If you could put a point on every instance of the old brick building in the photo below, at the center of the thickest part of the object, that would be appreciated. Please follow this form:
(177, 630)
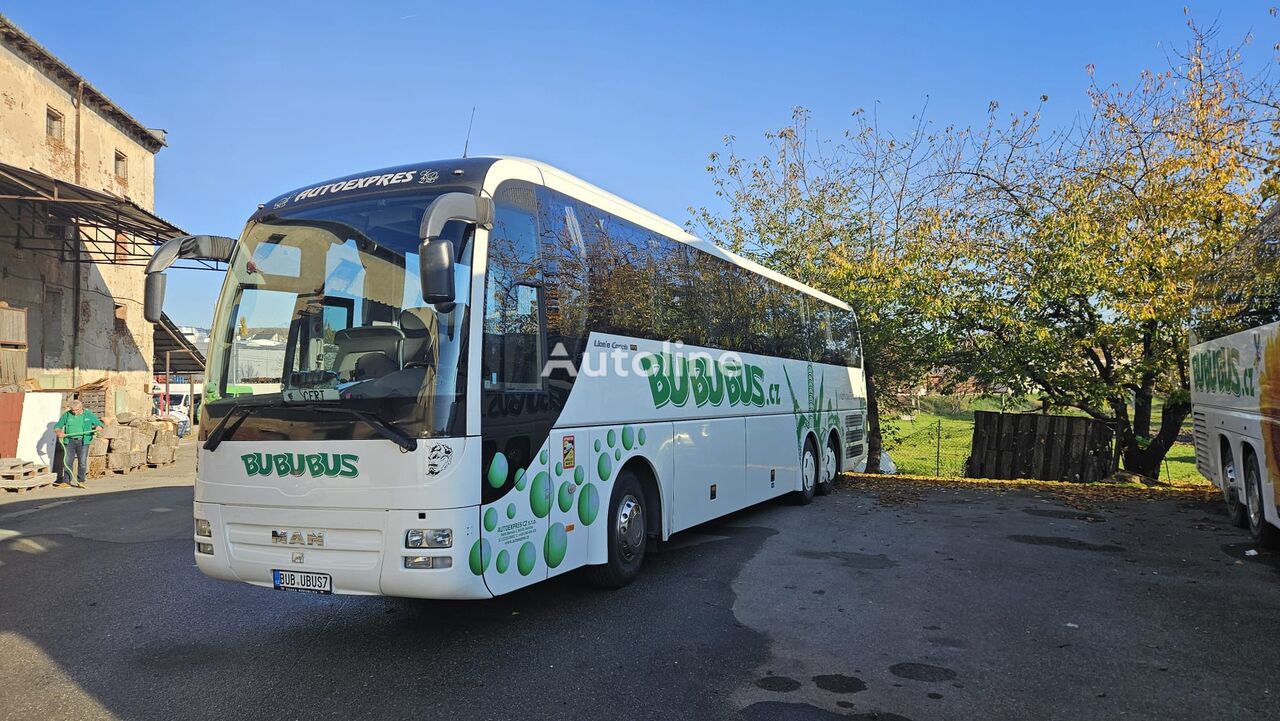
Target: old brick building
(77, 193)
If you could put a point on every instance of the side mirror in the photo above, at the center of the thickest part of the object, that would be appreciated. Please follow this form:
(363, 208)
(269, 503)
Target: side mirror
(194, 247)
(435, 265)
(436, 254)
(153, 297)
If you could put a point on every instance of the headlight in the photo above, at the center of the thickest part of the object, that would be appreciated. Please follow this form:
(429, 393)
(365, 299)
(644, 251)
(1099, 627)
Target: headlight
(203, 528)
(428, 538)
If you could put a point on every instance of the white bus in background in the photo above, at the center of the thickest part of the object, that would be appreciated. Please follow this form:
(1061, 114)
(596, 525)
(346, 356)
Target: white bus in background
(1235, 398)
(488, 372)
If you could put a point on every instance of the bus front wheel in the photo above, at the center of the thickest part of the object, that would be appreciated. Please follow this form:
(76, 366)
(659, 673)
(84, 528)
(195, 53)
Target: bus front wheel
(628, 534)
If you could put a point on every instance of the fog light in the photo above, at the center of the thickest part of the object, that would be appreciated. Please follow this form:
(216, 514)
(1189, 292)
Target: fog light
(428, 538)
(428, 562)
(203, 528)
(205, 548)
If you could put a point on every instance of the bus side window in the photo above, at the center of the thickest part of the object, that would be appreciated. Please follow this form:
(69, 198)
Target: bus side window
(514, 342)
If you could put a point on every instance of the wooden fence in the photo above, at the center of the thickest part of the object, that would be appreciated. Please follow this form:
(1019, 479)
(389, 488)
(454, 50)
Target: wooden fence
(1032, 445)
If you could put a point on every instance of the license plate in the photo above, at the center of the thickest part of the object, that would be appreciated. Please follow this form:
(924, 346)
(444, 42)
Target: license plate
(302, 581)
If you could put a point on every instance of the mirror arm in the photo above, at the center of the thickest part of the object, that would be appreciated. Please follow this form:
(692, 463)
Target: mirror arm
(184, 247)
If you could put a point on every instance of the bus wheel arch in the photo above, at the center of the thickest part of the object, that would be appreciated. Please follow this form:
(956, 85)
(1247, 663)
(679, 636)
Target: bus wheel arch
(648, 477)
(1230, 470)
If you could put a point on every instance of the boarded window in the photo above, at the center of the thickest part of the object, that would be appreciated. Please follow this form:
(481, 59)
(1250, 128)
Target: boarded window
(52, 339)
(122, 165)
(53, 126)
(122, 318)
(123, 248)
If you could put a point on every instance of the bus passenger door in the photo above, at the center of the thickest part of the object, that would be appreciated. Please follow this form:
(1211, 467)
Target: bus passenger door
(566, 543)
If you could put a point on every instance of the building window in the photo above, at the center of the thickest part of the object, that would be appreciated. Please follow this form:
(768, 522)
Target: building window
(122, 165)
(122, 319)
(53, 124)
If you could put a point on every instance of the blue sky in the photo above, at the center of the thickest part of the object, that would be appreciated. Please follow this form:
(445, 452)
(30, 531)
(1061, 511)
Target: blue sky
(264, 97)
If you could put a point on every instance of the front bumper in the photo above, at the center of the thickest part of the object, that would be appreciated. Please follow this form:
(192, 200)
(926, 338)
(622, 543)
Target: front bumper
(363, 550)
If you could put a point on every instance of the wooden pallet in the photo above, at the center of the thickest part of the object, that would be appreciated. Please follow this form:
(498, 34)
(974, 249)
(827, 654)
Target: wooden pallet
(13, 469)
(29, 483)
(161, 465)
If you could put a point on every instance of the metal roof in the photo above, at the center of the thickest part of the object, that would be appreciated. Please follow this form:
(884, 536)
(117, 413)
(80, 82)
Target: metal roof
(98, 215)
(14, 37)
(184, 357)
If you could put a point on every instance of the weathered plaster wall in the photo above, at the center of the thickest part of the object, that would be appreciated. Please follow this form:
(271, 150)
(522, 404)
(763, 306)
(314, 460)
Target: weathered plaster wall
(33, 276)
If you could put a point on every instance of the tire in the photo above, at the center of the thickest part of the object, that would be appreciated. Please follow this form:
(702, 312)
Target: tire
(809, 470)
(1236, 512)
(628, 535)
(1263, 533)
(830, 467)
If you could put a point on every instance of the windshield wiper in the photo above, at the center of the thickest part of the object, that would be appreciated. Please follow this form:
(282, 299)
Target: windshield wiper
(384, 429)
(221, 431)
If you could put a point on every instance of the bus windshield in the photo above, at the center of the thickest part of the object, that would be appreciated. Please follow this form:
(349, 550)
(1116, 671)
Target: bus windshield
(323, 306)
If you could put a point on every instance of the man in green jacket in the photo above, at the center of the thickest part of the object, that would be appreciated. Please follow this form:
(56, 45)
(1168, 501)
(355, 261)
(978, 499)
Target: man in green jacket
(75, 431)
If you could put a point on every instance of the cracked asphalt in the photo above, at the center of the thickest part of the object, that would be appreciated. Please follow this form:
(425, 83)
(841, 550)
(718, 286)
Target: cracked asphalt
(970, 604)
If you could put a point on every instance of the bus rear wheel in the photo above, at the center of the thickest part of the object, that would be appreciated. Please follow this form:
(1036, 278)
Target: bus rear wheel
(1260, 529)
(628, 534)
(809, 470)
(830, 467)
(1235, 509)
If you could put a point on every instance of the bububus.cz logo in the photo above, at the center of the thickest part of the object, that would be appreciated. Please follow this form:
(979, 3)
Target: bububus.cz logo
(331, 465)
(675, 375)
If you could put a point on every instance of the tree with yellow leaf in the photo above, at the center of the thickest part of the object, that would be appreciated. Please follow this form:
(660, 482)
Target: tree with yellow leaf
(1088, 252)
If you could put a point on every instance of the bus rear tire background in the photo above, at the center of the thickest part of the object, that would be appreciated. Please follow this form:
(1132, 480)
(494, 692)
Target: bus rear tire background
(1237, 514)
(830, 467)
(625, 558)
(810, 466)
(1263, 533)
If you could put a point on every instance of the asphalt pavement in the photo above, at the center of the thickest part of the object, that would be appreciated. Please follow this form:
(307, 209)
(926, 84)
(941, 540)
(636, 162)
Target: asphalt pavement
(971, 604)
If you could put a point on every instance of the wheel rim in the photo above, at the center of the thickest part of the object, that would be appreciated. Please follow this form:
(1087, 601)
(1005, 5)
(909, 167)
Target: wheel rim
(828, 465)
(810, 467)
(1253, 493)
(629, 527)
(1229, 470)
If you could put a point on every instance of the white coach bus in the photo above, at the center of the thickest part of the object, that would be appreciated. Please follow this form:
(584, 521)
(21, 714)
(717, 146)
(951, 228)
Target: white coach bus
(490, 373)
(1235, 399)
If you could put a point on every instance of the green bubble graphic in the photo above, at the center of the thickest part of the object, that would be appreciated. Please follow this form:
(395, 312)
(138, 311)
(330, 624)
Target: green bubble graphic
(628, 437)
(559, 468)
(597, 445)
(504, 560)
(479, 558)
(498, 470)
(511, 510)
(565, 497)
(525, 560)
(491, 519)
(617, 454)
(579, 475)
(557, 543)
(522, 479)
(588, 504)
(540, 495)
(543, 456)
(612, 437)
(604, 466)
(640, 436)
